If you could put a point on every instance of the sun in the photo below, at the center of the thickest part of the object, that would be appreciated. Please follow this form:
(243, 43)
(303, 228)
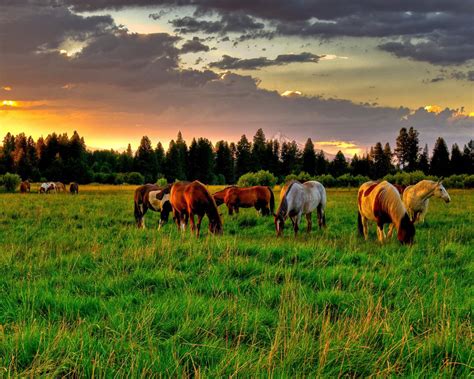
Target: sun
(9, 103)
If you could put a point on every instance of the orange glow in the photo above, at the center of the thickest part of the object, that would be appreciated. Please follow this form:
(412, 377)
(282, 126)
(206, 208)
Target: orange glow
(9, 103)
(7, 88)
(348, 148)
(433, 109)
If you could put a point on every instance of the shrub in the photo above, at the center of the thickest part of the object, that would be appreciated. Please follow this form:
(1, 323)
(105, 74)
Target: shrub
(161, 182)
(120, 178)
(134, 178)
(11, 181)
(326, 180)
(455, 181)
(469, 181)
(302, 177)
(260, 178)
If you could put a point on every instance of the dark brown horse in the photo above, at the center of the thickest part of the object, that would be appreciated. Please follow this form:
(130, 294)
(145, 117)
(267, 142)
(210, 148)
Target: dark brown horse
(74, 188)
(151, 196)
(260, 197)
(25, 187)
(190, 199)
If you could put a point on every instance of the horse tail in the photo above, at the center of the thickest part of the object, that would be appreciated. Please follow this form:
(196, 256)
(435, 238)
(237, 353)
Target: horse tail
(360, 227)
(272, 201)
(138, 204)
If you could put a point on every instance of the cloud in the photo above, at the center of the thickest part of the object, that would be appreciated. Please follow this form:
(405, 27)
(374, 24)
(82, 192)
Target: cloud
(231, 63)
(193, 46)
(237, 23)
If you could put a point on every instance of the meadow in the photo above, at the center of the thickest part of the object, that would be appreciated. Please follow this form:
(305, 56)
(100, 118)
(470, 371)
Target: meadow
(83, 292)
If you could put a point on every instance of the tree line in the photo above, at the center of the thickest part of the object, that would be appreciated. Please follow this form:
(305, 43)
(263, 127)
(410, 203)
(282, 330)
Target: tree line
(59, 157)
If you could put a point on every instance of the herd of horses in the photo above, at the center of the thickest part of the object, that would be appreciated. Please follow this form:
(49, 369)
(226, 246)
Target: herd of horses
(378, 201)
(50, 187)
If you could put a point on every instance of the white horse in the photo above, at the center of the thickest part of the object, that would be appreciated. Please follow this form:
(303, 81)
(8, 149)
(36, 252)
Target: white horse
(301, 199)
(417, 197)
(47, 187)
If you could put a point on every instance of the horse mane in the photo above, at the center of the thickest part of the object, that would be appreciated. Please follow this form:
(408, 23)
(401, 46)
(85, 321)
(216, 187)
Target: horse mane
(388, 200)
(212, 211)
(283, 208)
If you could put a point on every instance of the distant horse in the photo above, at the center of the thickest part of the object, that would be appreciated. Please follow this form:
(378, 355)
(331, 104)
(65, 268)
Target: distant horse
(301, 199)
(417, 197)
(260, 197)
(25, 186)
(381, 202)
(190, 199)
(74, 188)
(400, 188)
(47, 187)
(60, 187)
(151, 196)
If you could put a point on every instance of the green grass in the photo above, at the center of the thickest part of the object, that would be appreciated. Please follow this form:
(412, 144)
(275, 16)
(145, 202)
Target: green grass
(83, 292)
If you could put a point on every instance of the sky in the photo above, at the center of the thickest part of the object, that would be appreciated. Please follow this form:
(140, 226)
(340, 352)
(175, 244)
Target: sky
(345, 73)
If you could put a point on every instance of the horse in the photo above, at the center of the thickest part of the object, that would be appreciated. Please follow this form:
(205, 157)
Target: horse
(47, 187)
(417, 197)
(60, 187)
(381, 202)
(74, 188)
(151, 196)
(25, 186)
(260, 197)
(298, 199)
(190, 199)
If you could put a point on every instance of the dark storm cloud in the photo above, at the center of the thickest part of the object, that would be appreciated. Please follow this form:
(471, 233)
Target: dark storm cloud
(229, 23)
(232, 63)
(193, 46)
(437, 31)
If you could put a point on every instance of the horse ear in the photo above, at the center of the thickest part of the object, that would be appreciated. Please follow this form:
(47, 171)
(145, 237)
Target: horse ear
(440, 180)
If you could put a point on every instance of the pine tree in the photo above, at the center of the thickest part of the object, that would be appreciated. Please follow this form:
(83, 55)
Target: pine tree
(175, 163)
(243, 156)
(309, 158)
(468, 158)
(225, 162)
(290, 158)
(145, 160)
(338, 166)
(380, 161)
(413, 149)
(457, 160)
(388, 156)
(402, 148)
(7, 151)
(424, 161)
(321, 164)
(258, 150)
(440, 159)
(160, 159)
(125, 161)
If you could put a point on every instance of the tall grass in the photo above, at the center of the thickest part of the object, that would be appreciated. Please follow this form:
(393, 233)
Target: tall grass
(85, 293)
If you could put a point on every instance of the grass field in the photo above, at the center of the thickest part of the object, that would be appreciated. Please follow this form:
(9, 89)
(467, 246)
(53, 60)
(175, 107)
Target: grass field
(84, 293)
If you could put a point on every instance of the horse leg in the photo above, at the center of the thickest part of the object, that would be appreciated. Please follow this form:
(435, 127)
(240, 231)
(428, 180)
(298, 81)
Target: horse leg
(231, 209)
(390, 230)
(177, 219)
(191, 220)
(309, 222)
(380, 233)
(236, 209)
(365, 226)
(184, 221)
(199, 224)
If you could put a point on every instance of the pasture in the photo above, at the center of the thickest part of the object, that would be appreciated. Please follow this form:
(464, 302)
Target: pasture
(83, 292)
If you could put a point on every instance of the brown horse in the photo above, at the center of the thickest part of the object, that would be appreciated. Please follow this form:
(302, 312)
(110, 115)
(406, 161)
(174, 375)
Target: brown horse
(74, 188)
(260, 197)
(381, 202)
(190, 199)
(25, 187)
(151, 196)
(60, 187)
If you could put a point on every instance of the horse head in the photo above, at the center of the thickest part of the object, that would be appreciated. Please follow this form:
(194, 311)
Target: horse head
(279, 224)
(406, 231)
(215, 226)
(441, 192)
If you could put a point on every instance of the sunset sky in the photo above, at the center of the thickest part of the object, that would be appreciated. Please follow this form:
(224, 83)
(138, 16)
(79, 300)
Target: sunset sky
(345, 73)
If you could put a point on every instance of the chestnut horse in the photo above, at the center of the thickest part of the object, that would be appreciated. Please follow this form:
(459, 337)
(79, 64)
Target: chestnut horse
(260, 197)
(150, 196)
(74, 188)
(25, 187)
(60, 187)
(381, 202)
(190, 199)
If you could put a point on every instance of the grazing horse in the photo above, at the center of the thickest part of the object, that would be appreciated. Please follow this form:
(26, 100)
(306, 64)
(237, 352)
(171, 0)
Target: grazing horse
(417, 197)
(60, 187)
(74, 188)
(298, 199)
(47, 187)
(260, 197)
(151, 196)
(190, 199)
(25, 187)
(381, 202)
